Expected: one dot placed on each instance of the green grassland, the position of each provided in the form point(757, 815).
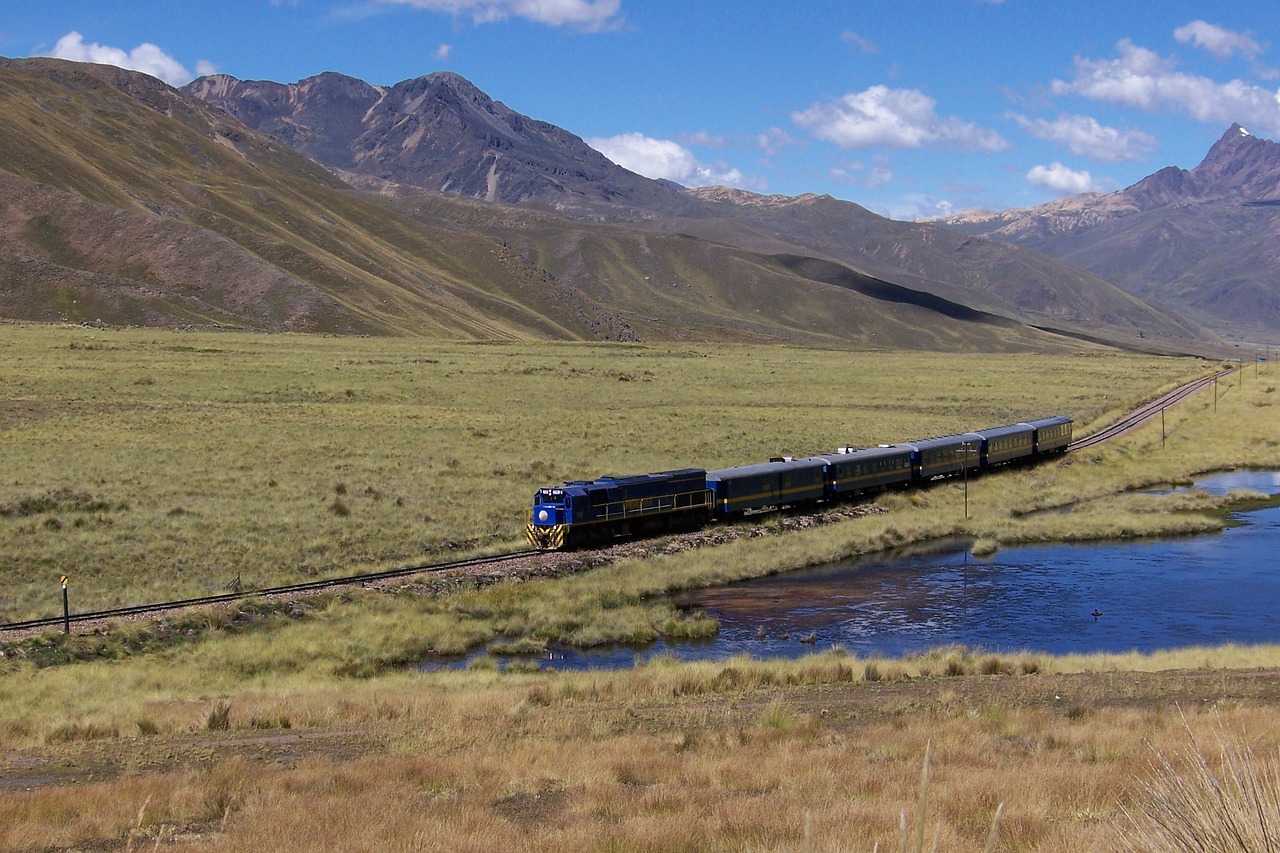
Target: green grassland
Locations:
point(152, 465)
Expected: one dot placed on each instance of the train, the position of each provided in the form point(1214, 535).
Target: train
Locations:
point(594, 512)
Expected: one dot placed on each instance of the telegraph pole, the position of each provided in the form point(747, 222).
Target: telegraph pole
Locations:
point(966, 449)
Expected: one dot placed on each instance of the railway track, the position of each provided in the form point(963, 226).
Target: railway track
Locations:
point(1128, 422)
point(287, 589)
point(1146, 412)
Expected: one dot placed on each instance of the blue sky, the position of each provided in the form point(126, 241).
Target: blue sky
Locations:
point(909, 108)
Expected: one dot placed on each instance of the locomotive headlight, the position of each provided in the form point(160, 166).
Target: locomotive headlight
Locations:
point(542, 515)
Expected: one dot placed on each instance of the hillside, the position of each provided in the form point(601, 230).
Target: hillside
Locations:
point(130, 203)
point(1203, 243)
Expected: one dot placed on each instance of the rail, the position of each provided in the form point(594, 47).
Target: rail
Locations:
point(287, 589)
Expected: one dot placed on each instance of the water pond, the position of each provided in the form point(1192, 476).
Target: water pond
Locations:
point(1111, 596)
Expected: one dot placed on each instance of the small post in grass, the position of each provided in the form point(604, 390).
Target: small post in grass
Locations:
point(66, 608)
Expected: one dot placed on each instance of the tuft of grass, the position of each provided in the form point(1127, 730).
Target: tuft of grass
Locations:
point(780, 716)
point(67, 732)
point(1196, 802)
point(218, 718)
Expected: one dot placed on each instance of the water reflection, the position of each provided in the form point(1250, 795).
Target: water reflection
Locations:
point(1147, 595)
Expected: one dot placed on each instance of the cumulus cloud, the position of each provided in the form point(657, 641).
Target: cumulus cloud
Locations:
point(443, 51)
point(667, 160)
point(585, 15)
point(892, 118)
point(1085, 137)
point(1060, 179)
point(918, 207)
point(1140, 78)
point(146, 58)
point(1219, 41)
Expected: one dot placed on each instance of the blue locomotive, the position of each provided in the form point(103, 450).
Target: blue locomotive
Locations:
point(588, 512)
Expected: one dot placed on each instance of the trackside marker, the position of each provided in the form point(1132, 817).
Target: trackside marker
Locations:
point(66, 609)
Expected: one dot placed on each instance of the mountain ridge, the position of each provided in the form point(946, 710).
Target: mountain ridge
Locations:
point(437, 132)
point(109, 173)
point(1203, 242)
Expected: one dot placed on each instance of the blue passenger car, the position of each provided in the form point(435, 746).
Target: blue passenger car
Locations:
point(768, 484)
point(595, 510)
point(866, 470)
point(1006, 444)
point(1052, 435)
point(943, 456)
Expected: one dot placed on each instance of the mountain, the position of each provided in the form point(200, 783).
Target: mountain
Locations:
point(438, 132)
point(128, 202)
point(1204, 243)
point(986, 275)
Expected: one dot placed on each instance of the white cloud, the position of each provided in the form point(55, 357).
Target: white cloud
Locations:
point(668, 160)
point(774, 140)
point(917, 207)
point(1140, 78)
point(1060, 179)
point(585, 15)
point(860, 174)
point(706, 140)
point(1219, 41)
point(204, 68)
point(146, 58)
point(862, 43)
point(892, 118)
point(1085, 137)
point(443, 51)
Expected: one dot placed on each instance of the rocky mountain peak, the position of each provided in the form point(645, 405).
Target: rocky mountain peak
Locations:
point(441, 133)
point(1241, 164)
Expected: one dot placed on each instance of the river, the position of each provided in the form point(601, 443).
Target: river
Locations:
point(1139, 595)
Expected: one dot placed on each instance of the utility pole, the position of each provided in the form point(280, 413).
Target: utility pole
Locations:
point(966, 449)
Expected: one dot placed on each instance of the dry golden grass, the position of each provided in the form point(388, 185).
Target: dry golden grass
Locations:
point(635, 761)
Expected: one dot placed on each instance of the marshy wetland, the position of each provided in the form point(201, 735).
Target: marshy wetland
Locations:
point(148, 465)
